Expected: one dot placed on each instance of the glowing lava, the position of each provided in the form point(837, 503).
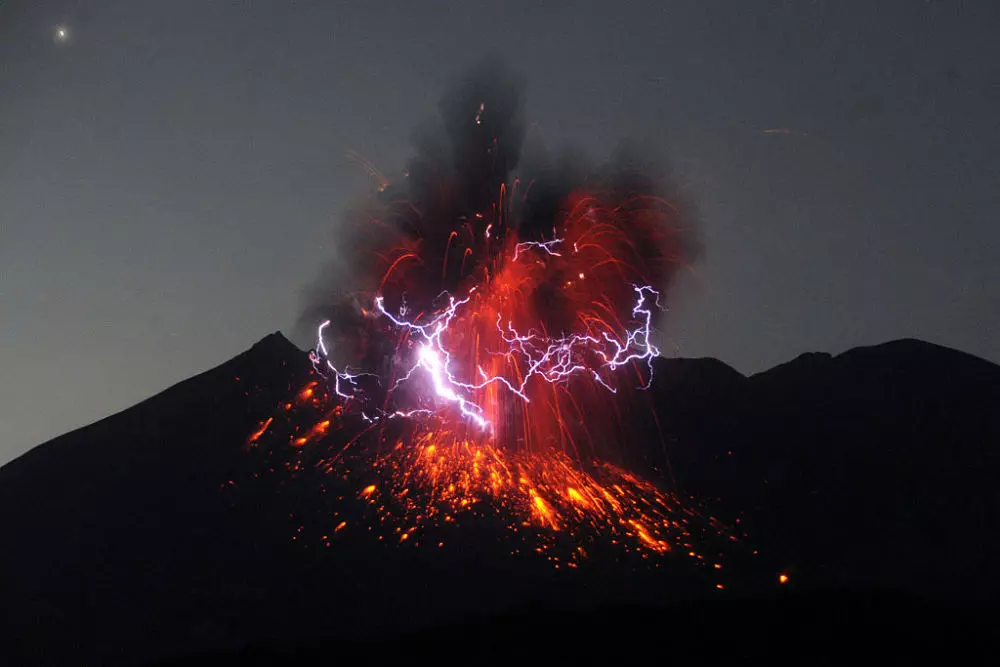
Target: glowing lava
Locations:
point(500, 325)
point(494, 412)
point(434, 483)
point(432, 480)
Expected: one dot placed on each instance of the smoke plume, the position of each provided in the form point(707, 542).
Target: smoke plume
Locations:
point(477, 184)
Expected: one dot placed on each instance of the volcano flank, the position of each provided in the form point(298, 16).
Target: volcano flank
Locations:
point(849, 496)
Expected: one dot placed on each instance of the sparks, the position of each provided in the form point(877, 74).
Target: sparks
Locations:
point(255, 436)
point(458, 472)
point(553, 360)
point(500, 332)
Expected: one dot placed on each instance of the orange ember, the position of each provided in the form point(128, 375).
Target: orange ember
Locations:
point(480, 349)
point(440, 477)
point(255, 436)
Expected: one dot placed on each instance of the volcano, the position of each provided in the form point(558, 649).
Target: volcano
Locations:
point(853, 494)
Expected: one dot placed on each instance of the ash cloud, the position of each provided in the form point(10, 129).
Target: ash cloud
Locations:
point(477, 147)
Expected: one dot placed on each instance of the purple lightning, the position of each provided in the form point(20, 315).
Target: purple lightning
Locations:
point(554, 360)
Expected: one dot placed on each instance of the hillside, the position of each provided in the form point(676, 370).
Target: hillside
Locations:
point(153, 533)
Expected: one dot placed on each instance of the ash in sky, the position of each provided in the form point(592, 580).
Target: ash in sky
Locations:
point(479, 189)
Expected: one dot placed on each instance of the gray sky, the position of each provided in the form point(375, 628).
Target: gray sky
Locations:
point(170, 171)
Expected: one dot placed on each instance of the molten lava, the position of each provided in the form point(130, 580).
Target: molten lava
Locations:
point(433, 477)
point(486, 359)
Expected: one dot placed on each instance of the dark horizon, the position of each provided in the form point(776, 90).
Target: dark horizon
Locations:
point(170, 175)
point(855, 505)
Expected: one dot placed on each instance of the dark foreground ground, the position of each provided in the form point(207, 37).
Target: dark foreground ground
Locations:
point(122, 543)
point(845, 627)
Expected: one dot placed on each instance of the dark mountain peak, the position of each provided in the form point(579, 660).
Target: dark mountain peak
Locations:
point(678, 366)
point(694, 379)
point(918, 354)
point(911, 346)
point(875, 467)
point(275, 345)
point(905, 360)
point(807, 363)
point(248, 384)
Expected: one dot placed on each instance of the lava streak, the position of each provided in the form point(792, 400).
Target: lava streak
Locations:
point(483, 336)
point(438, 479)
point(432, 480)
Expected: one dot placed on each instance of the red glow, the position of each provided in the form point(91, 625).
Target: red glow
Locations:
point(255, 436)
point(497, 369)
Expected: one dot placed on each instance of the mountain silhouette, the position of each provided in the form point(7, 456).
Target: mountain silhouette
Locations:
point(873, 467)
point(153, 536)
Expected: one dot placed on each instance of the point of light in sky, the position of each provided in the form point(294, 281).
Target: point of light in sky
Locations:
point(61, 34)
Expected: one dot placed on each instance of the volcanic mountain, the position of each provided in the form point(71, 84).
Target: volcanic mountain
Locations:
point(866, 481)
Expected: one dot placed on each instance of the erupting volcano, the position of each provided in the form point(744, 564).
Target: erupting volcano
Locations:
point(487, 344)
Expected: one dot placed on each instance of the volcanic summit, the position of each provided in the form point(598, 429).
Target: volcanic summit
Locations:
point(162, 533)
point(485, 421)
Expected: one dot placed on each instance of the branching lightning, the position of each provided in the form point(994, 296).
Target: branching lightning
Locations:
point(498, 325)
point(553, 360)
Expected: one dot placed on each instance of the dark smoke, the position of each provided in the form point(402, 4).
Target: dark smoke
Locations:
point(477, 145)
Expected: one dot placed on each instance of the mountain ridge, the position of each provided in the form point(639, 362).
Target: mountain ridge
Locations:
point(278, 345)
point(867, 469)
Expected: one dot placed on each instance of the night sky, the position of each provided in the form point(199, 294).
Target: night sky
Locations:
point(170, 172)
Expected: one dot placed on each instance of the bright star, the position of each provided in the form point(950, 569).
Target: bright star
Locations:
point(61, 33)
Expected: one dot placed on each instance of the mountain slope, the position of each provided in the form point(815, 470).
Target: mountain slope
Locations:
point(101, 525)
point(872, 467)
point(121, 542)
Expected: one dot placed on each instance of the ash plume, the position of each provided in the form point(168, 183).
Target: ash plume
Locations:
point(486, 323)
point(478, 182)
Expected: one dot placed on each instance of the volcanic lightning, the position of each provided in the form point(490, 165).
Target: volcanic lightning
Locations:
point(499, 323)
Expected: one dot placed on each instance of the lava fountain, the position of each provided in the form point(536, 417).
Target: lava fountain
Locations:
point(488, 336)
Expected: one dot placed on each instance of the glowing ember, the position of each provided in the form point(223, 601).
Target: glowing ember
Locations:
point(434, 479)
point(497, 332)
point(255, 436)
point(437, 479)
